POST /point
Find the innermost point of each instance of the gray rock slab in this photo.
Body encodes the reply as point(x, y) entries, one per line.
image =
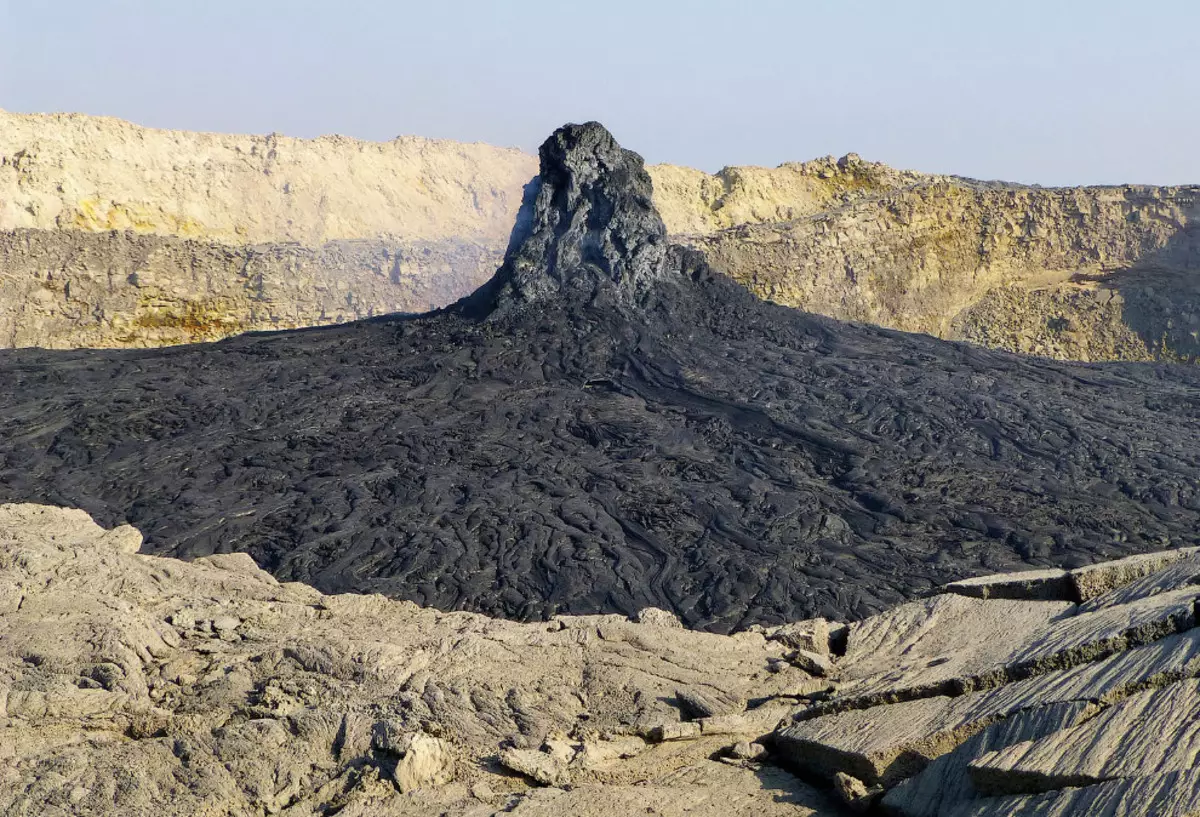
point(1177, 575)
point(1176, 794)
point(993, 643)
point(1110, 679)
point(673, 731)
point(1089, 636)
point(931, 646)
point(946, 782)
point(757, 722)
point(702, 702)
point(1051, 584)
point(892, 742)
point(1149, 733)
point(883, 744)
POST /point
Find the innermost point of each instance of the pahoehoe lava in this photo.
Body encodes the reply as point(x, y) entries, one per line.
point(609, 425)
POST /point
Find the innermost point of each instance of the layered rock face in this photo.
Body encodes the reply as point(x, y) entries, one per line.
point(66, 289)
point(116, 235)
point(609, 425)
point(135, 684)
point(1078, 274)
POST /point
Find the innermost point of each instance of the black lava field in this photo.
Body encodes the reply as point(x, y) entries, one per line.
point(610, 425)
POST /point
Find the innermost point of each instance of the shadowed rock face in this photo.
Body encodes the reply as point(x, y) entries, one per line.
point(614, 429)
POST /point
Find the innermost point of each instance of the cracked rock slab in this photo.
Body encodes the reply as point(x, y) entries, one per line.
point(939, 645)
point(890, 742)
point(946, 782)
point(880, 745)
point(1176, 794)
point(993, 643)
point(1179, 574)
point(699, 702)
point(1150, 733)
point(1091, 635)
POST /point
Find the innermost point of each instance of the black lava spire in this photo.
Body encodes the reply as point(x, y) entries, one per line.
point(588, 227)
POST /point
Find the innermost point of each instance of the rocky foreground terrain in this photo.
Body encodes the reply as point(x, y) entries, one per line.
point(138, 685)
point(116, 235)
point(609, 425)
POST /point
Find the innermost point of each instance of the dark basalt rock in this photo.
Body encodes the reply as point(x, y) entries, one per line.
point(611, 426)
point(590, 231)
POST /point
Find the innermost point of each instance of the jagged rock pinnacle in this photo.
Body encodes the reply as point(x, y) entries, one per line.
point(590, 226)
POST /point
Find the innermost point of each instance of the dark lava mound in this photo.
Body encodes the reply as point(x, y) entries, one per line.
point(609, 425)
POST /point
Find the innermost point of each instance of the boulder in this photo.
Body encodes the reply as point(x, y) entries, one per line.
point(427, 762)
point(541, 767)
point(856, 794)
point(811, 635)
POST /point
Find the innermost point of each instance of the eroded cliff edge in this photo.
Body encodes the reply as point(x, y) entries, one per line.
point(116, 235)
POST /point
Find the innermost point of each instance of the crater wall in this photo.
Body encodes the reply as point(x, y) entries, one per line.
point(116, 235)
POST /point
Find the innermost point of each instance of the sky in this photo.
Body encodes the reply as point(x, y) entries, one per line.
point(1049, 92)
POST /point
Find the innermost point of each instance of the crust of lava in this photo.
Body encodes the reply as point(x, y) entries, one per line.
point(609, 425)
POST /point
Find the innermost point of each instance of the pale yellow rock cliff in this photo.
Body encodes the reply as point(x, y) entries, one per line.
point(69, 171)
point(1081, 273)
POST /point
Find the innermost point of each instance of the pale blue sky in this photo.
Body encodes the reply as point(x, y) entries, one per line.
point(1072, 91)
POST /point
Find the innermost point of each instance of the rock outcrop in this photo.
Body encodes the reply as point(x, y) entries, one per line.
point(1089, 722)
point(590, 230)
point(1079, 274)
point(98, 174)
point(132, 683)
point(68, 289)
point(115, 235)
point(619, 427)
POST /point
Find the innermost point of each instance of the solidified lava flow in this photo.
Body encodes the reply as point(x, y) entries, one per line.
point(609, 425)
